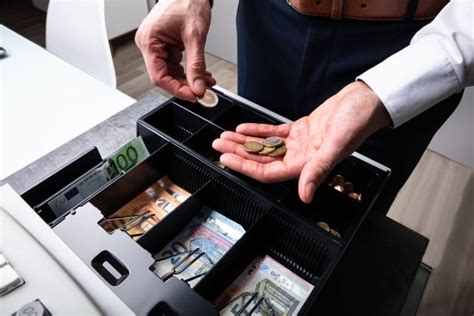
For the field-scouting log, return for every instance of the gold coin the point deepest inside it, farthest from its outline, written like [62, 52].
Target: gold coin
[339, 188]
[335, 233]
[279, 151]
[253, 147]
[348, 187]
[356, 196]
[273, 141]
[209, 99]
[266, 150]
[324, 226]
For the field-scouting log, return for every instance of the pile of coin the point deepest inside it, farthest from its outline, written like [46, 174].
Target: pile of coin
[341, 185]
[273, 146]
[326, 227]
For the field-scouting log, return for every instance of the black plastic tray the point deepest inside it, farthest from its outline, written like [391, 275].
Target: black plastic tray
[178, 135]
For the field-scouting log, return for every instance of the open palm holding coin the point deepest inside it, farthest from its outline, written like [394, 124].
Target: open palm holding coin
[314, 144]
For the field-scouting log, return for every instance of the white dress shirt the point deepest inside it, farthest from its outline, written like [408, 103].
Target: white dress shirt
[438, 62]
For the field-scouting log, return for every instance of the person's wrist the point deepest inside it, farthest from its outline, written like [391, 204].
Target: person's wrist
[379, 113]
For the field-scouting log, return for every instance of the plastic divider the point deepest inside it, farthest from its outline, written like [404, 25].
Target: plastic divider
[207, 113]
[169, 160]
[236, 115]
[175, 121]
[226, 200]
[201, 142]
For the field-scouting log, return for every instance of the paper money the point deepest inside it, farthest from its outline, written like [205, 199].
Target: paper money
[147, 209]
[201, 244]
[266, 287]
[129, 155]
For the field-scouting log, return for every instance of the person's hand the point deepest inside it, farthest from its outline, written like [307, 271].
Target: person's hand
[315, 143]
[171, 27]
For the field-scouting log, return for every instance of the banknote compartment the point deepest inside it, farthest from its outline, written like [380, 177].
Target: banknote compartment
[175, 121]
[307, 255]
[208, 113]
[236, 115]
[201, 142]
[170, 161]
[229, 201]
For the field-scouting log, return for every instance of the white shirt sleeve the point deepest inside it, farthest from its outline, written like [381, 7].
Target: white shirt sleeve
[438, 62]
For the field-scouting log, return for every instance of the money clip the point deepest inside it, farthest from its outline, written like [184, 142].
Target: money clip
[176, 267]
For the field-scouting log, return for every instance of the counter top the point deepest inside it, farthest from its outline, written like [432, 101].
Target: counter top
[106, 136]
[45, 102]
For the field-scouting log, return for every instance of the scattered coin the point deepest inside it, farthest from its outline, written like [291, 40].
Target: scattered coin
[356, 196]
[340, 184]
[348, 187]
[339, 188]
[273, 141]
[267, 150]
[209, 99]
[279, 151]
[334, 233]
[324, 226]
[337, 180]
[253, 147]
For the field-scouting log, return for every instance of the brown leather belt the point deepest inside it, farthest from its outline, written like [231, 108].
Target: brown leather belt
[383, 10]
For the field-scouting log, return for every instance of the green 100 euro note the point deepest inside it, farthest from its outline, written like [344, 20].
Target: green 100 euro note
[129, 155]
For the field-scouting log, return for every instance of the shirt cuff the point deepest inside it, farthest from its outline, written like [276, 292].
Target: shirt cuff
[412, 80]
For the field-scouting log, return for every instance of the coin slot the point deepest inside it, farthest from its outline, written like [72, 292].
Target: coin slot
[207, 113]
[308, 256]
[201, 142]
[175, 121]
[236, 115]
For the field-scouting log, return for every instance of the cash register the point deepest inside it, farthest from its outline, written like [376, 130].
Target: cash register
[160, 227]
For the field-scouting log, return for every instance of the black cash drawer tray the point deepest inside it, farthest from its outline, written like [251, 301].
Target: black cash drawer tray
[178, 134]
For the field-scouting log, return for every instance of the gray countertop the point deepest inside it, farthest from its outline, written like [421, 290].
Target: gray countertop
[106, 136]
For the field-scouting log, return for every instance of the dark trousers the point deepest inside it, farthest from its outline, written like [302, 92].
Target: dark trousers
[291, 63]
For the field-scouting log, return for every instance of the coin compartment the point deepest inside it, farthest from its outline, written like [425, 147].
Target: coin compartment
[366, 179]
[201, 142]
[236, 115]
[208, 113]
[175, 121]
[282, 238]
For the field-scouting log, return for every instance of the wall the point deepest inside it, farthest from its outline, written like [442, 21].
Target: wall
[222, 36]
[455, 139]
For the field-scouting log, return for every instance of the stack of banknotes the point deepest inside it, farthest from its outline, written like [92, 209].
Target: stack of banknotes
[201, 244]
[147, 209]
[266, 287]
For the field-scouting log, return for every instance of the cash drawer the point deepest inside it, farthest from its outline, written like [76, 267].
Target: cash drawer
[275, 223]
